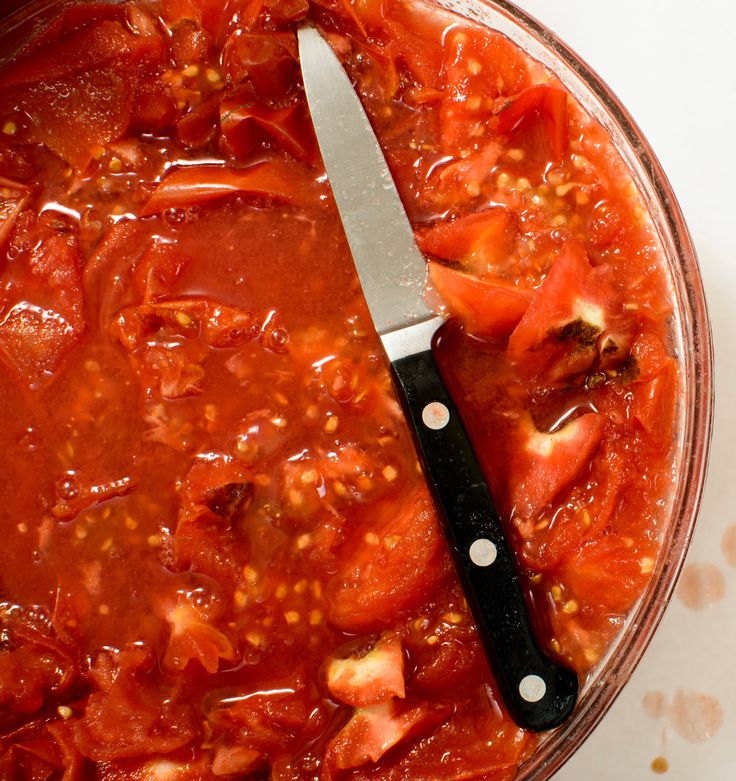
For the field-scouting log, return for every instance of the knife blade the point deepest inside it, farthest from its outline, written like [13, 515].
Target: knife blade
[539, 693]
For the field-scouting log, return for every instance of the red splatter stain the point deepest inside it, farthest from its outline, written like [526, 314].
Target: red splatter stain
[701, 585]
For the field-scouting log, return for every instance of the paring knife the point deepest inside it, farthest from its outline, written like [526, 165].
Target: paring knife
[538, 693]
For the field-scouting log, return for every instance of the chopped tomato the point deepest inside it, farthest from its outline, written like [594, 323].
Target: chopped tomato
[484, 745]
[605, 574]
[547, 104]
[220, 326]
[486, 308]
[128, 715]
[654, 405]
[13, 197]
[74, 115]
[373, 730]
[244, 122]
[462, 181]
[542, 465]
[376, 582]
[648, 357]
[267, 61]
[85, 50]
[573, 319]
[200, 184]
[200, 125]
[414, 39]
[481, 242]
[270, 716]
[193, 638]
[477, 67]
[229, 760]
[368, 676]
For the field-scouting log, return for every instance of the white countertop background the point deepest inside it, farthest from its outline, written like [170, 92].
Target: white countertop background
[673, 64]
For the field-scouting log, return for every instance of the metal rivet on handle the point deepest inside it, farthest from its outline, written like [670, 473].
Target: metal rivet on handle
[483, 553]
[532, 688]
[435, 415]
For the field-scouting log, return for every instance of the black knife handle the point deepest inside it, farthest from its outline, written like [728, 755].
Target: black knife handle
[538, 693]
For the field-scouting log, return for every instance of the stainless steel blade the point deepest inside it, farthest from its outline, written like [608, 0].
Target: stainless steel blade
[391, 268]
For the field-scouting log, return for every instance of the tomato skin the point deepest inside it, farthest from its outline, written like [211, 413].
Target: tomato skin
[375, 584]
[268, 62]
[202, 183]
[244, 122]
[547, 103]
[490, 309]
[13, 197]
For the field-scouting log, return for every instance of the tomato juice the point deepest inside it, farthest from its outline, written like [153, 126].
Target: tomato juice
[220, 559]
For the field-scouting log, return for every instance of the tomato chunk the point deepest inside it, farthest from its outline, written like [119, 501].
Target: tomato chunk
[244, 122]
[542, 465]
[605, 574]
[373, 730]
[573, 320]
[368, 677]
[376, 583]
[548, 104]
[204, 183]
[13, 197]
[129, 716]
[481, 242]
[486, 308]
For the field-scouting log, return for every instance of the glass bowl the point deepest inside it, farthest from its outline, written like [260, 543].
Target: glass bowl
[691, 332]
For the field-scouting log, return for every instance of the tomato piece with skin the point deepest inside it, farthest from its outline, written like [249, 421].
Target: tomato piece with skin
[478, 66]
[542, 465]
[267, 61]
[481, 242]
[368, 676]
[375, 583]
[654, 405]
[197, 184]
[85, 50]
[545, 103]
[414, 40]
[487, 308]
[130, 715]
[245, 122]
[477, 742]
[574, 319]
[13, 198]
[605, 574]
[375, 729]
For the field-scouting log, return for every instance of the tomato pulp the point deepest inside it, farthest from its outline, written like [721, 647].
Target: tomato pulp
[219, 558]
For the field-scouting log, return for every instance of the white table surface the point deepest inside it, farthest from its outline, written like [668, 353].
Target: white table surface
[673, 64]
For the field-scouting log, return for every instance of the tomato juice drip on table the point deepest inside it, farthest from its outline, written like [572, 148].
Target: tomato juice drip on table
[220, 557]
